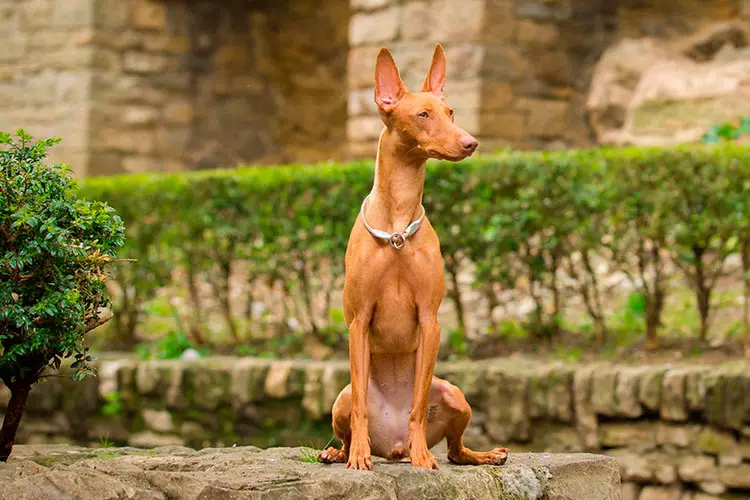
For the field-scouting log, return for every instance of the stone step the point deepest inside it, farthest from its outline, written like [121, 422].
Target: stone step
[288, 473]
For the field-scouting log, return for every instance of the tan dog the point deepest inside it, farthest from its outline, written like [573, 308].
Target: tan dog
[394, 406]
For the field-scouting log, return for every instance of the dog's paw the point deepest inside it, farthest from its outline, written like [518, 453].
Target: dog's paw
[332, 456]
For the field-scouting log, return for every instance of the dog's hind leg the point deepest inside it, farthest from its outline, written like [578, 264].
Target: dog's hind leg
[342, 411]
[453, 416]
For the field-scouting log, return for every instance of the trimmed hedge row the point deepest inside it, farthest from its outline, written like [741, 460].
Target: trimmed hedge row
[517, 216]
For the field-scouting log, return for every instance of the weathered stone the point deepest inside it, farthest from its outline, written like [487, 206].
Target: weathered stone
[673, 404]
[560, 394]
[149, 14]
[178, 112]
[150, 440]
[676, 435]
[143, 62]
[496, 95]
[626, 392]
[509, 125]
[695, 391]
[716, 442]
[181, 473]
[615, 435]
[735, 401]
[586, 421]
[369, 4]
[4, 396]
[364, 128]
[415, 20]
[377, 27]
[546, 118]
[735, 477]
[248, 380]
[603, 392]
[696, 468]
[283, 380]
[630, 491]
[660, 493]
[538, 393]
[208, 385]
[650, 388]
[362, 102]
[158, 420]
[139, 115]
[456, 20]
[534, 33]
[508, 406]
[544, 10]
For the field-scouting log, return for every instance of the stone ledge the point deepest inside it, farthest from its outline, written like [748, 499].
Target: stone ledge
[282, 473]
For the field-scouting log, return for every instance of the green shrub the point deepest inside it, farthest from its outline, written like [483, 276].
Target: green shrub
[55, 256]
[542, 220]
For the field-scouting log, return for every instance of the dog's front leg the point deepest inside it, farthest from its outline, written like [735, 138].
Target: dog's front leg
[429, 343]
[359, 367]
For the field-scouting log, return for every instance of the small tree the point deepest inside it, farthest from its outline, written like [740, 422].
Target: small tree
[55, 255]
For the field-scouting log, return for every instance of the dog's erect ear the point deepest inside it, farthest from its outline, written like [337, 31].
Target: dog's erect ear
[435, 81]
[389, 89]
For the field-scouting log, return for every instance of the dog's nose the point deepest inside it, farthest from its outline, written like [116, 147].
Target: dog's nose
[469, 143]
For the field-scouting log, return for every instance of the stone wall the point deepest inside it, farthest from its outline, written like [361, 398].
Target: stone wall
[46, 52]
[198, 84]
[170, 85]
[678, 432]
[518, 70]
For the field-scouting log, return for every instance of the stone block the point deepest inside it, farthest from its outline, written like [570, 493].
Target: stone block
[696, 468]
[546, 118]
[373, 28]
[139, 115]
[716, 442]
[148, 439]
[361, 66]
[510, 125]
[180, 112]
[370, 4]
[586, 420]
[737, 477]
[560, 394]
[134, 164]
[496, 96]
[674, 402]
[508, 405]
[464, 95]
[162, 42]
[630, 491]
[362, 102]
[284, 379]
[464, 61]
[543, 10]
[208, 384]
[660, 493]
[364, 128]
[745, 9]
[681, 436]
[158, 420]
[129, 141]
[618, 435]
[144, 62]
[248, 380]
[456, 20]
[535, 33]
[695, 389]
[4, 396]
[650, 388]
[149, 15]
[415, 21]
[603, 392]
[626, 392]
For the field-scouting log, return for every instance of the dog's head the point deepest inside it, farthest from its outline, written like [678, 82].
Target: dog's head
[422, 118]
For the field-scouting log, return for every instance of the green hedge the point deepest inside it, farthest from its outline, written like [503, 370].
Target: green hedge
[515, 215]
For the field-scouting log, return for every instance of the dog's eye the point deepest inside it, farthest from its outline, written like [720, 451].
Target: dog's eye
[424, 114]
[450, 112]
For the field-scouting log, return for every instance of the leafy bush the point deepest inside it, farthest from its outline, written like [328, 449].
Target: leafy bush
[55, 255]
[540, 222]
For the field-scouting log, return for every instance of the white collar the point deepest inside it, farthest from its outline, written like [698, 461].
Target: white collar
[397, 239]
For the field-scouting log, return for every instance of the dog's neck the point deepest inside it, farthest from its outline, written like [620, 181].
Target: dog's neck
[396, 197]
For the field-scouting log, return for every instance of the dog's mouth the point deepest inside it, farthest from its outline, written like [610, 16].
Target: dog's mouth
[438, 155]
